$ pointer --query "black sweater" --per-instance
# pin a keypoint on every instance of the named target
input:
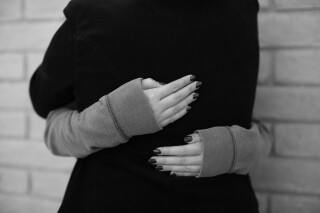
(106, 43)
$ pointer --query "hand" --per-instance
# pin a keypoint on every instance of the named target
(170, 102)
(185, 160)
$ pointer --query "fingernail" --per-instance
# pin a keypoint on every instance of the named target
(159, 168)
(188, 139)
(188, 108)
(161, 83)
(157, 151)
(192, 78)
(152, 161)
(173, 174)
(198, 84)
(195, 96)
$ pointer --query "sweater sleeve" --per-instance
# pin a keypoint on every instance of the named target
(111, 121)
(233, 149)
(51, 84)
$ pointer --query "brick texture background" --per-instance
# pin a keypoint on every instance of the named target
(288, 100)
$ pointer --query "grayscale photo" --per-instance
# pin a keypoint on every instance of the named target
(159, 106)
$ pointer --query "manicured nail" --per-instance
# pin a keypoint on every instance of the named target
(192, 78)
(152, 161)
(173, 174)
(157, 151)
(188, 139)
(159, 168)
(161, 83)
(188, 108)
(195, 96)
(198, 84)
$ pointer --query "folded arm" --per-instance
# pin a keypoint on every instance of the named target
(102, 125)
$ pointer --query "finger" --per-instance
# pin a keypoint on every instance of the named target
(175, 98)
(192, 138)
(175, 86)
(175, 117)
(175, 169)
(189, 149)
(177, 108)
(149, 83)
(177, 160)
(184, 174)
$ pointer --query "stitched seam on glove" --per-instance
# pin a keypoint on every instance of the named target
(234, 150)
(122, 133)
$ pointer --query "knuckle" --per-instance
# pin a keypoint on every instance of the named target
(175, 86)
(175, 110)
(183, 151)
(163, 160)
(152, 96)
(183, 160)
(190, 169)
(178, 96)
(187, 168)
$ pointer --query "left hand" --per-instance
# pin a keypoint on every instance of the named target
(184, 160)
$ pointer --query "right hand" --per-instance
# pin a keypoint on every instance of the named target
(169, 102)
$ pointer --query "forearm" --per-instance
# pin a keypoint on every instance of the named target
(70, 133)
(233, 149)
(111, 121)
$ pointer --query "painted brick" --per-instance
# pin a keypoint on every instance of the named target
(263, 202)
(287, 175)
(295, 204)
(301, 66)
(32, 155)
(11, 66)
(288, 103)
(33, 61)
(31, 35)
(37, 126)
(12, 124)
(20, 204)
(49, 184)
(14, 95)
(300, 140)
(265, 70)
(13, 180)
(289, 29)
(10, 10)
(297, 4)
(45, 9)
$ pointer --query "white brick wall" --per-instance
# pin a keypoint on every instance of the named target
(32, 180)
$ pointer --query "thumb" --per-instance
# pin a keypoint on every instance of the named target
(149, 83)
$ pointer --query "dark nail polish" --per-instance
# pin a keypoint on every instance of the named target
(161, 83)
(188, 139)
(192, 78)
(188, 108)
(152, 161)
(159, 168)
(173, 174)
(156, 151)
(198, 84)
(195, 96)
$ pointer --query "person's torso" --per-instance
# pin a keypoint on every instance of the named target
(165, 40)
